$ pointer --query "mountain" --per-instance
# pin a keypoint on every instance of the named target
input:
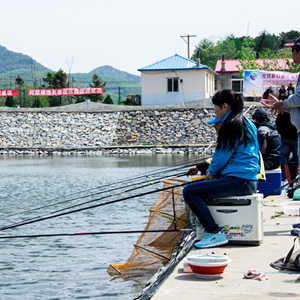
(11, 61)
(118, 83)
(108, 71)
(13, 64)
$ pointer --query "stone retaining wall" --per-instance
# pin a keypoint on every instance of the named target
(100, 131)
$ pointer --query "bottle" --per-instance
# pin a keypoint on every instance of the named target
(286, 187)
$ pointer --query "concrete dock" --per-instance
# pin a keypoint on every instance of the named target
(276, 243)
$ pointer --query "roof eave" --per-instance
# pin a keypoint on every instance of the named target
(218, 72)
(179, 69)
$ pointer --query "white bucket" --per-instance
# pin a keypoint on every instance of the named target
(291, 208)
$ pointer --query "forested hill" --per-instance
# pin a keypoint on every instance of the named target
(108, 71)
(11, 61)
(13, 64)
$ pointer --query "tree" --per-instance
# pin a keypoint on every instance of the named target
(10, 101)
(208, 53)
(108, 100)
(36, 102)
(48, 80)
(227, 47)
(266, 43)
(288, 37)
(56, 80)
(97, 82)
(19, 82)
(60, 79)
(79, 98)
(248, 55)
(247, 49)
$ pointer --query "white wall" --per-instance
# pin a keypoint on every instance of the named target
(193, 85)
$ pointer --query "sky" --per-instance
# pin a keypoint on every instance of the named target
(81, 35)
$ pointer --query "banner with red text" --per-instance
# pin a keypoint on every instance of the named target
(64, 92)
(8, 93)
(257, 81)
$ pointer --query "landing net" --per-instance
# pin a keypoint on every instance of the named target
(152, 250)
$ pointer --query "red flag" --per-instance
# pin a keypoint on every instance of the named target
(65, 92)
(8, 93)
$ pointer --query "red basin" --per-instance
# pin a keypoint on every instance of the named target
(217, 270)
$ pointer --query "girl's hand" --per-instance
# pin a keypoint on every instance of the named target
(192, 171)
(208, 176)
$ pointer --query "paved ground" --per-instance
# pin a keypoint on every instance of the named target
(277, 242)
(96, 107)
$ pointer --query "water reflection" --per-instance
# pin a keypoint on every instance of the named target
(137, 160)
(70, 267)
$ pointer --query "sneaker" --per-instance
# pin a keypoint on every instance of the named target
(297, 225)
(295, 231)
(212, 240)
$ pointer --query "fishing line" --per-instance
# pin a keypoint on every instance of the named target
(147, 175)
(91, 233)
(94, 194)
(98, 199)
(49, 214)
(89, 195)
(93, 206)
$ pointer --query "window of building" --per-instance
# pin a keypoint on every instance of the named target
(173, 84)
(237, 85)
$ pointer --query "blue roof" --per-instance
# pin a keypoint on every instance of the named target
(175, 62)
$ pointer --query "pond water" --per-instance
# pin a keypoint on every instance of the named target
(70, 267)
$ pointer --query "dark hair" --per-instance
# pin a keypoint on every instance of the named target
(297, 45)
(234, 127)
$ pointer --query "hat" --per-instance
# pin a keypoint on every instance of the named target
(214, 121)
(295, 44)
(261, 115)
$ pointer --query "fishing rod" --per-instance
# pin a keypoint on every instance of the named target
(96, 188)
(98, 193)
(172, 168)
(94, 194)
(248, 109)
(104, 197)
(281, 187)
(93, 206)
(92, 233)
(45, 216)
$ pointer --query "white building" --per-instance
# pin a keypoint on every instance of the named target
(175, 80)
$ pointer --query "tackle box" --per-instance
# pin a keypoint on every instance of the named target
(240, 217)
(272, 183)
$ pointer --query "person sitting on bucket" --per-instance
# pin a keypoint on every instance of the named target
(233, 169)
(268, 139)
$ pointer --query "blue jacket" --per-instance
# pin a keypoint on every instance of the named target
(242, 161)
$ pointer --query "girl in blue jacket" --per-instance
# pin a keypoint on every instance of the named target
(234, 166)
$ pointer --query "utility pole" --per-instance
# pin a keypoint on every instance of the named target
(187, 41)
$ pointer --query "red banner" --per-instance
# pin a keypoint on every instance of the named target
(64, 92)
(8, 93)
